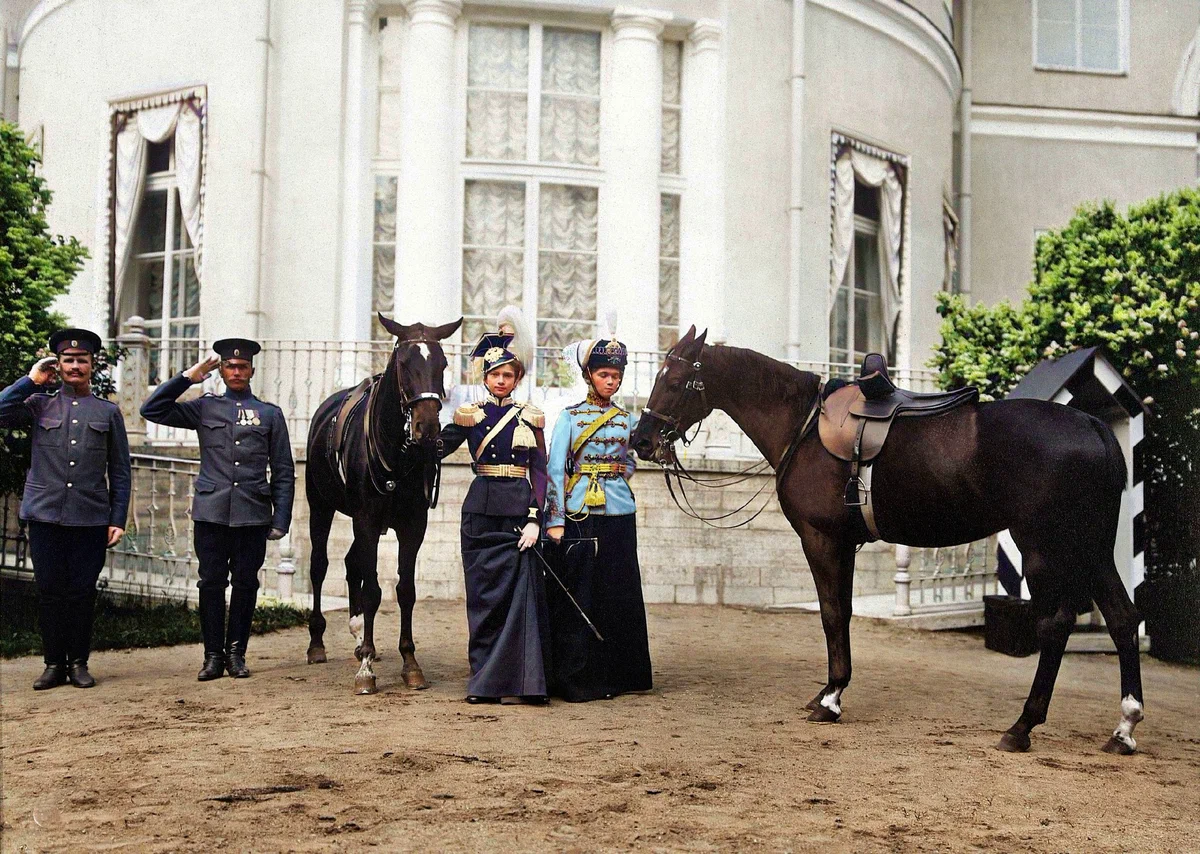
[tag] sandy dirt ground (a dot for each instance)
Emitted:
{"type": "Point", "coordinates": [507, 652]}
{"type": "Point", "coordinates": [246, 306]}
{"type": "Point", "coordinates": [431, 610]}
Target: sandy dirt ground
{"type": "Point", "coordinates": [717, 757]}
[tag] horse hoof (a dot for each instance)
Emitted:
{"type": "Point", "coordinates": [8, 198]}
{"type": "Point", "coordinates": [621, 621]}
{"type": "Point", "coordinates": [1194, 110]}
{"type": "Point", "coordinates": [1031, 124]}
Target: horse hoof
{"type": "Point", "coordinates": [415, 679]}
{"type": "Point", "coordinates": [822, 715]}
{"type": "Point", "coordinates": [1115, 745]}
{"type": "Point", "coordinates": [316, 655]}
{"type": "Point", "coordinates": [1011, 743]}
{"type": "Point", "coordinates": [365, 685]}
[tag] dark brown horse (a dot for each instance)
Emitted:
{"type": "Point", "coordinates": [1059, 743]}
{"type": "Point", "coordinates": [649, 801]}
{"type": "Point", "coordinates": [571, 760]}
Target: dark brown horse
{"type": "Point", "coordinates": [379, 467]}
{"type": "Point", "coordinates": [1050, 474]}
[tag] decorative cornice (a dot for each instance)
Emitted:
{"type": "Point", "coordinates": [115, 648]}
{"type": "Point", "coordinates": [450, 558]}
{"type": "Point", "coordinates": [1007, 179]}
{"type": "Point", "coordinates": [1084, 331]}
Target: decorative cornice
{"type": "Point", "coordinates": [632, 23]}
{"type": "Point", "coordinates": [41, 12]}
{"type": "Point", "coordinates": [706, 34]}
{"type": "Point", "coordinates": [361, 13]}
{"type": "Point", "coordinates": [441, 12]}
{"type": "Point", "coordinates": [1084, 126]}
{"type": "Point", "coordinates": [908, 27]}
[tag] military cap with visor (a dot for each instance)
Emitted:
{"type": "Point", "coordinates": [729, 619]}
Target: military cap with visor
{"type": "Point", "coordinates": [236, 348]}
{"type": "Point", "coordinates": [75, 339]}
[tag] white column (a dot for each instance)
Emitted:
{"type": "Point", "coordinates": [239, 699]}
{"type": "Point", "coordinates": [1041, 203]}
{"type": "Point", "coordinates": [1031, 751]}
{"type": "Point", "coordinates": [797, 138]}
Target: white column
{"type": "Point", "coordinates": [702, 242]}
{"type": "Point", "coordinates": [796, 301]}
{"type": "Point", "coordinates": [354, 298]}
{"type": "Point", "coordinates": [427, 217]}
{"type": "Point", "coordinates": [629, 200]}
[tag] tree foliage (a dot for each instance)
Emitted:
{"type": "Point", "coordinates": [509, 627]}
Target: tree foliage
{"type": "Point", "coordinates": [1129, 284]}
{"type": "Point", "coordinates": [35, 267]}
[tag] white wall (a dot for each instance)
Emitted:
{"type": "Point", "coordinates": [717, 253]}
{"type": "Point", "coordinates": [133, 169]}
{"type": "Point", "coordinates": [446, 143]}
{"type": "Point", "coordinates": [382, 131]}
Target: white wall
{"type": "Point", "coordinates": [88, 52]}
{"type": "Point", "coordinates": [869, 86]}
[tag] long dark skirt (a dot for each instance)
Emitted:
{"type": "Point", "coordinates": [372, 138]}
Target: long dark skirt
{"type": "Point", "coordinates": [606, 582]}
{"type": "Point", "coordinates": [506, 610]}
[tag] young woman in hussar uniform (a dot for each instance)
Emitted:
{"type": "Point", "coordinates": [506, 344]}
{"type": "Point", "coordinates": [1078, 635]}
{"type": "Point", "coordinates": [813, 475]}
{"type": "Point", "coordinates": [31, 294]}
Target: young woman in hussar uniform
{"type": "Point", "coordinates": [501, 520]}
{"type": "Point", "coordinates": [590, 515]}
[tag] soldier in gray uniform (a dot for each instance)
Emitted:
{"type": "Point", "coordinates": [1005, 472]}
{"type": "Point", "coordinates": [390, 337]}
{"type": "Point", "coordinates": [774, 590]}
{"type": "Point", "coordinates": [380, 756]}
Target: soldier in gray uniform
{"type": "Point", "coordinates": [76, 496]}
{"type": "Point", "coordinates": [236, 510]}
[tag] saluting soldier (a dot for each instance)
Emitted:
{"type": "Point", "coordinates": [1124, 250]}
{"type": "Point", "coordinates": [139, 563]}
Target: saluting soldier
{"type": "Point", "coordinates": [236, 509]}
{"type": "Point", "coordinates": [76, 496]}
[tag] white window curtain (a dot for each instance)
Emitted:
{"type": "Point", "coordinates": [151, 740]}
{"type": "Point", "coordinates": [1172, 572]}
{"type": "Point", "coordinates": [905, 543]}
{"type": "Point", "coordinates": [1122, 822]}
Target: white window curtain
{"type": "Point", "coordinates": [566, 264]}
{"type": "Point", "coordinates": [493, 252]}
{"type": "Point", "coordinates": [135, 126]}
{"type": "Point", "coordinates": [570, 121]}
{"type": "Point", "coordinates": [874, 172]}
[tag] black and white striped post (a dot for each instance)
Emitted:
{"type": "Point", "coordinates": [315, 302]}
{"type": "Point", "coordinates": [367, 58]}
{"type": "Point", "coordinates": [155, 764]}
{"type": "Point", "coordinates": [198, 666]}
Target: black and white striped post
{"type": "Point", "coordinates": [1087, 381]}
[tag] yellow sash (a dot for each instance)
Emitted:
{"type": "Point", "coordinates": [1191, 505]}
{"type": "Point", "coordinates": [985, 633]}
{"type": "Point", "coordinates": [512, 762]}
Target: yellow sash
{"type": "Point", "coordinates": [577, 451]}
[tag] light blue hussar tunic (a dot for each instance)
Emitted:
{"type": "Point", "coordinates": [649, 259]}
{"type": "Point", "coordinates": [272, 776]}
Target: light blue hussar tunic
{"type": "Point", "coordinates": [609, 445]}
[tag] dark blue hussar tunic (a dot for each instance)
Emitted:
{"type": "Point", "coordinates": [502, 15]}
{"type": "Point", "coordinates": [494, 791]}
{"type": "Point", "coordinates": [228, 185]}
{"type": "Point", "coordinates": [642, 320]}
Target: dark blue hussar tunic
{"type": "Point", "coordinates": [506, 596]}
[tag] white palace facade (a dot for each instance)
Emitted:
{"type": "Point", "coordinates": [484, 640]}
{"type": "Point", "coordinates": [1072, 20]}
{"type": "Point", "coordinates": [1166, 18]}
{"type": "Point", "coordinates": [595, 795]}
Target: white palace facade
{"type": "Point", "coordinates": [798, 176]}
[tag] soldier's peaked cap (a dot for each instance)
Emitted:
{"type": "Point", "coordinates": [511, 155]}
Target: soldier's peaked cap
{"type": "Point", "coordinates": [75, 339]}
{"type": "Point", "coordinates": [236, 348]}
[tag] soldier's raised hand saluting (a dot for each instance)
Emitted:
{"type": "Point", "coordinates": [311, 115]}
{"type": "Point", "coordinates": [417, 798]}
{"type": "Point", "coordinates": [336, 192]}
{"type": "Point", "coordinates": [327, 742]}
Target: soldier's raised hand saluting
{"type": "Point", "coordinates": [199, 372]}
{"type": "Point", "coordinates": [44, 371]}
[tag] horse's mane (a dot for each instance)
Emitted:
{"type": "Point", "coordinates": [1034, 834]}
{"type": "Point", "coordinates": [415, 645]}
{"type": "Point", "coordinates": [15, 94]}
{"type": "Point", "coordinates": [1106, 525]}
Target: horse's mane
{"type": "Point", "coordinates": [766, 378]}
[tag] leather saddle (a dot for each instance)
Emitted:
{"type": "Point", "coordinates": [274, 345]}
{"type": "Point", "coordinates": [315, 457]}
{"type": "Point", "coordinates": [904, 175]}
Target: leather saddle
{"type": "Point", "coordinates": [856, 417]}
{"type": "Point", "coordinates": [337, 428]}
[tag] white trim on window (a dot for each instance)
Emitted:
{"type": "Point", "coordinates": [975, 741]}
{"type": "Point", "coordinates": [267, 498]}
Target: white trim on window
{"type": "Point", "coordinates": [1079, 68]}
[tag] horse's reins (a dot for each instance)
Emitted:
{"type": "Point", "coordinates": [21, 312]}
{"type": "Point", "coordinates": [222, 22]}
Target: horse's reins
{"type": "Point", "coordinates": [671, 432]}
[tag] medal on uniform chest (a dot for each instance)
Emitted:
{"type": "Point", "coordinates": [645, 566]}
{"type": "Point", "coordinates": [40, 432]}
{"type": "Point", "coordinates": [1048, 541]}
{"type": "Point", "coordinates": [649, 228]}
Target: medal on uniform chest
{"type": "Point", "coordinates": [248, 418]}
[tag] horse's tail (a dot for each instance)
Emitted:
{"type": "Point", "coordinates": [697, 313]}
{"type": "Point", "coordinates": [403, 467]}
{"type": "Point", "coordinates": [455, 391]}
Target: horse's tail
{"type": "Point", "coordinates": [1114, 456]}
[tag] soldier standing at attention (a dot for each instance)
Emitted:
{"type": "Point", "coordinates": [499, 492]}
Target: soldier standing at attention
{"type": "Point", "coordinates": [76, 496]}
{"type": "Point", "coordinates": [235, 510]}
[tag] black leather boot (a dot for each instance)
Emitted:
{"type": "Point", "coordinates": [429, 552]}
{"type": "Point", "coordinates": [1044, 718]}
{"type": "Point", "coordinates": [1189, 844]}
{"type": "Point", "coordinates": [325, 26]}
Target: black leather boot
{"type": "Point", "coordinates": [77, 673]}
{"type": "Point", "coordinates": [212, 627]}
{"type": "Point", "coordinates": [235, 661]}
{"type": "Point", "coordinates": [241, 614]}
{"type": "Point", "coordinates": [214, 667]}
{"type": "Point", "coordinates": [81, 614]}
{"type": "Point", "coordinates": [54, 675]}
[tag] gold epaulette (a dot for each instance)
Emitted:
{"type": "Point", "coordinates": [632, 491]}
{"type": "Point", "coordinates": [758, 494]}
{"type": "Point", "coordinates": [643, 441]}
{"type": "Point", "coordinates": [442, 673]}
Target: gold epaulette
{"type": "Point", "coordinates": [533, 416]}
{"type": "Point", "coordinates": [468, 415]}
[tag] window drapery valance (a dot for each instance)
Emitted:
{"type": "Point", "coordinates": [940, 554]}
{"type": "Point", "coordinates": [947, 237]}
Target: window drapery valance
{"type": "Point", "coordinates": [869, 167]}
{"type": "Point", "coordinates": [135, 124]}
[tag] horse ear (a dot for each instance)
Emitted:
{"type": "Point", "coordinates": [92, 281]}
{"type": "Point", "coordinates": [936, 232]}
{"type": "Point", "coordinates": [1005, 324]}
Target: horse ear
{"type": "Point", "coordinates": [700, 340]}
{"type": "Point", "coordinates": [441, 333]}
{"type": "Point", "coordinates": [687, 337]}
{"type": "Point", "coordinates": [397, 329]}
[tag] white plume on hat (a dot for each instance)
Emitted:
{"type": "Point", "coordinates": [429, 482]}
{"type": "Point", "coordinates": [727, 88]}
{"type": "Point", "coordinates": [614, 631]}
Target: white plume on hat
{"type": "Point", "coordinates": [511, 321]}
{"type": "Point", "coordinates": [580, 351]}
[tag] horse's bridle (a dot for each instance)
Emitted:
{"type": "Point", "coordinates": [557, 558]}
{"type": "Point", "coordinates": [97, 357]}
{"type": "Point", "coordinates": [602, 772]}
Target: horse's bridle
{"type": "Point", "coordinates": [385, 483]}
{"type": "Point", "coordinates": [671, 430]}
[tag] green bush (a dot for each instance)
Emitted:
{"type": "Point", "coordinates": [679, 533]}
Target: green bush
{"type": "Point", "coordinates": [127, 621]}
{"type": "Point", "coordinates": [1130, 285]}
{"type": "Point", "coordinates": [35, 267]}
